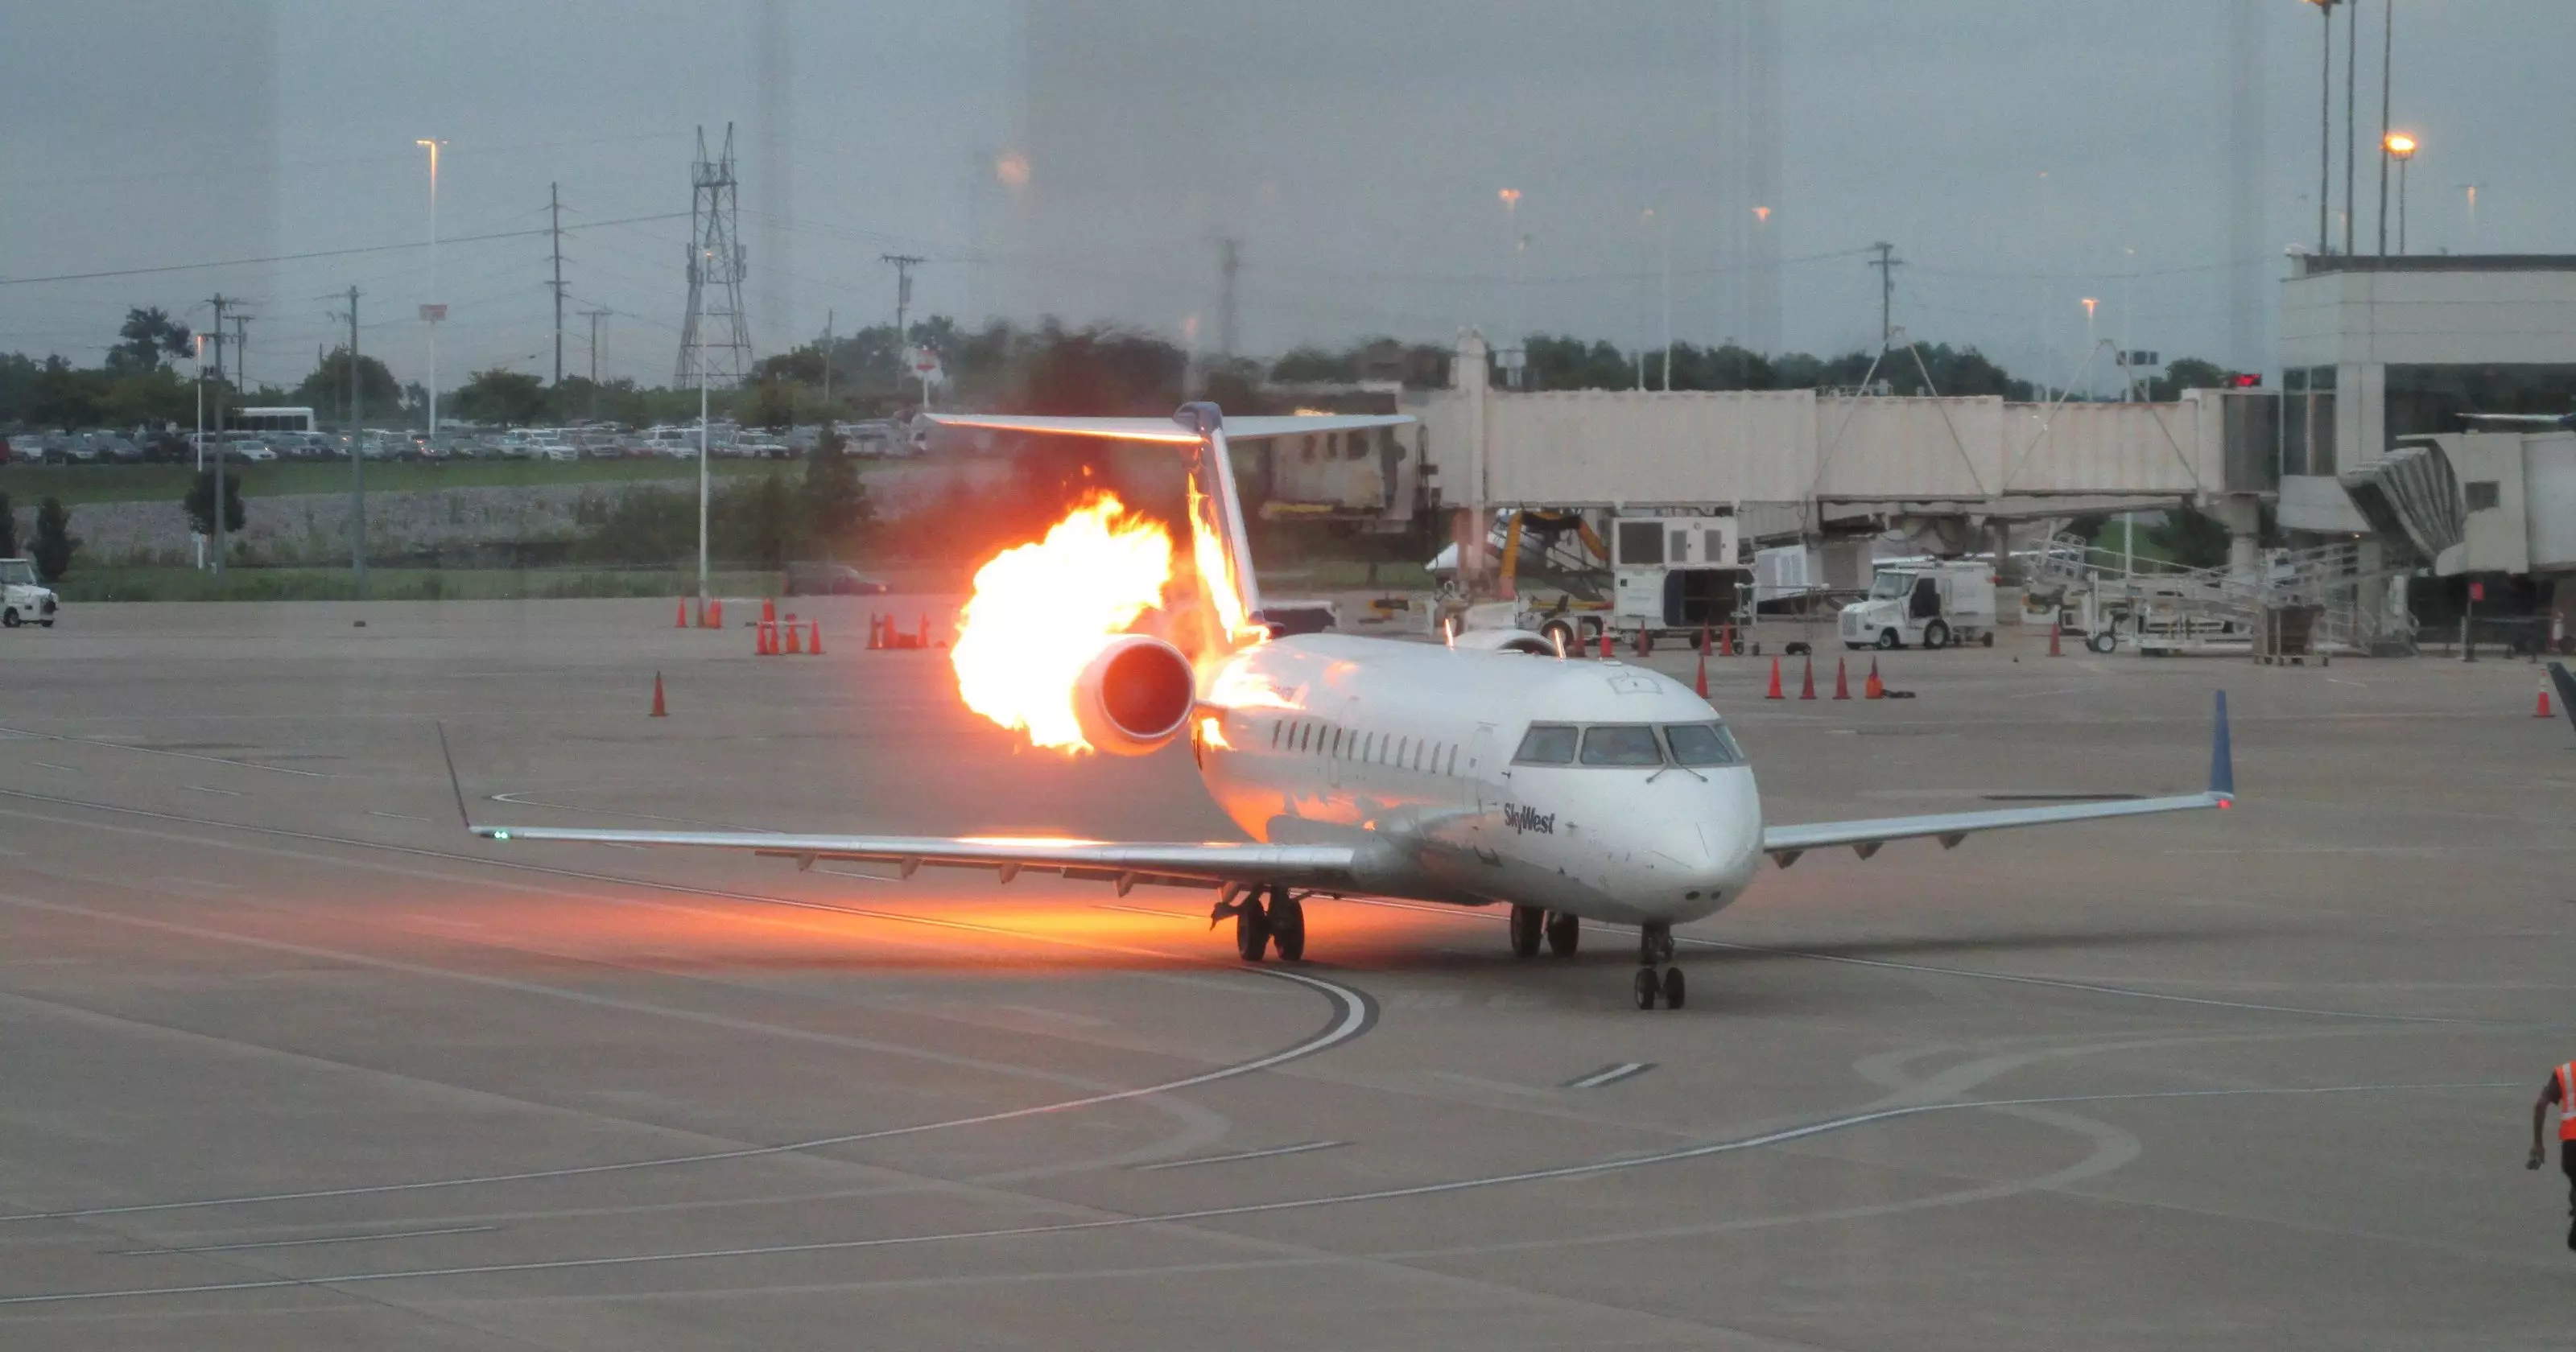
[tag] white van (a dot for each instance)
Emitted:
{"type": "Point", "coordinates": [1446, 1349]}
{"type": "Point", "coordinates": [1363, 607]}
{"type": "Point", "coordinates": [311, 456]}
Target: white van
{"type": "Point", "coordinates": [1924, 605]}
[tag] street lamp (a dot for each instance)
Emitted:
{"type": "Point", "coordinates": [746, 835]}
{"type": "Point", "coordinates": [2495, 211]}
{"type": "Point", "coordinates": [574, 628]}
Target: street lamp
{"type": "Point", "coordinates": [433, 311]}
{"type": "Point", "coordinates": [2089, 345]}
{"type": "Point", "coordinates": [2401, 148]}
{"type": "Point", "coordinates": [2325, 120]}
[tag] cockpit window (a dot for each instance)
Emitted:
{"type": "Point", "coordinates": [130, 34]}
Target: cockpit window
{"type": "Point", "coordinates": [1702, 744]}
{"type": "Point", "coordinates": [1547, 745]}
{"type": "Point", "coordinates": [1621, 744]}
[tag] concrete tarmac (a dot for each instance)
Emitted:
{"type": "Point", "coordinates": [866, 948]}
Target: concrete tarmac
{"type": "Point", "coordinates": [292, 1061]}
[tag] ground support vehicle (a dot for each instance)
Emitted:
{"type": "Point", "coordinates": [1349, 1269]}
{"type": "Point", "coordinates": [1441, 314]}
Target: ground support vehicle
{"type": "Point", "coordinates": [23, 599]}
{"type": "Point", "coordinates": [1925, 605]}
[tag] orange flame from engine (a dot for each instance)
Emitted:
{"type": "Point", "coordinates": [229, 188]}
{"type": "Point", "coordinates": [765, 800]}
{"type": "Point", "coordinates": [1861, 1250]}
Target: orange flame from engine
{"type": "Point", "coordinates": [1215, 564]}
{"type": "Point", "coordinates": [1042, 611]}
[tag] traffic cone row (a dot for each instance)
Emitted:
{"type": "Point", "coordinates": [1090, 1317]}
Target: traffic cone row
{"type": "Point", "coordinates": [1807, 682]}
{"type": "Point", "coordinates": [1873, 688]}
{"type": "Point", "coordinates": [782, 638]}
{"type": "Point", "coordinates": [1774, 692]}
{"type": "Point", "coordinates": [2541, 710]}
{"type": "Point", "coordinates": [1842, 682]}
{"type": "Point", "coordinates": [768, 609]}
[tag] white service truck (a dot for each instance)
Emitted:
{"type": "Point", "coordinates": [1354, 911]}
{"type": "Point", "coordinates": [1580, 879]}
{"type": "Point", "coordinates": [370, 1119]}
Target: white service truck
{"type": "Point", "coordinates": [23, 599]}
{"type": "Point", "coordinates": [1924, 605]}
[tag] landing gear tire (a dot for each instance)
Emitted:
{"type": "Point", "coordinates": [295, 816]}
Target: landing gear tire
{"type": "Point", "coordinates": [1564, 934]}
{"type": "Point", "coordinates": [9, 618]}
{"type": "Point", "coordinates": [1673, 988]}
{"type": "Point", "coordinates": [1888, 642]}
{"type": "Point", "coordinates": [1655, 951]}
{"type": "Point", "coordinates": [1647, 988]}
{"type": "Point", "coordinates": [1251, 933]}
{"type": "Point", "coordinates": [1936, 635]}
{"type": "Point", "coordinates": [1527, 922]}
{"type": "Point", "coordinates": [1287, 923]}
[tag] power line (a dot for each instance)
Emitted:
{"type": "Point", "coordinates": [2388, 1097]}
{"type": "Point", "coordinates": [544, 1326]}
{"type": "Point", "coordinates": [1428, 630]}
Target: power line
{"type": "Point", "coordinates": [328, 253]}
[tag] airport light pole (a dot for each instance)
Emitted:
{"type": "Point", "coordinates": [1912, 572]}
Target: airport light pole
{"type": "Point", "coordinates": [702, 461]}
{"type": "Point", "coordinates": [433, 311]}
{"type": "Point", "coordinates": [2387, 64]}
{"type": "Point", "coordinates": [2399, 147]}
{"type": "Point", "coordinates": [1511, 200]}
{"type": "Point", "coordinates": [2325, 123]}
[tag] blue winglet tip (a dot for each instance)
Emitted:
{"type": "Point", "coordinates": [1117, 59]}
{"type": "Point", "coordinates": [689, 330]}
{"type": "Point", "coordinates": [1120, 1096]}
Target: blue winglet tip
{"type": "Point", "coordinates": [2222, 758]}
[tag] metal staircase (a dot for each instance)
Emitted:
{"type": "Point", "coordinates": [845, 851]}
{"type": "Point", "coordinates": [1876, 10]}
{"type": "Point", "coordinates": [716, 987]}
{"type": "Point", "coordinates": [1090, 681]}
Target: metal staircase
{"type": "Point", "coordinates": [2163, 607]}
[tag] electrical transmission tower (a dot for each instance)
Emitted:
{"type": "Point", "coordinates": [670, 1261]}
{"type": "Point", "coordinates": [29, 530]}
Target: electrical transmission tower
{"type": "Point", "coordinates": [1887, 263]}
{"type": "Point", "coordinates": [716, 268]}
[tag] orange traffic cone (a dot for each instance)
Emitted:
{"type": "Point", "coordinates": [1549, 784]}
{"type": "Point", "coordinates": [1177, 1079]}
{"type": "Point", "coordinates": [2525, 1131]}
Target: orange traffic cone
{"type": "Point", "coordinates": [795, 636]}
{"type": "Point", "coordinates": [769, 639]}
{"type": "Point", "coordinates": [2542, 709]}
{"type": "Point", "coordinates": [1842, 682]}
{"type": "Point", "coordinates": [1807, 683]}
{"type": "Point", "coordinates": [1774, 692]}
{"type": "Point", "coordinates": [658, 710]}
{"type": "Point", "coordinates": [1699, 684]}
{"type": "Point", "coordinates": [715, 616]}
{"type": "Point", "coordinates": [1873, 688]}
{"type": "Point", "coordinates": [2054, 629]}
{"type": "Point", "coordinates": [816, 647]}
{"type": "Point", "coordinates": [1605, 643]}
{"type": "Point", "coordinates": [768, 609]}
{"type": "Point", "coordinates": [1726, 643]}
{"type": "Point", "coordinates": [683, 621]}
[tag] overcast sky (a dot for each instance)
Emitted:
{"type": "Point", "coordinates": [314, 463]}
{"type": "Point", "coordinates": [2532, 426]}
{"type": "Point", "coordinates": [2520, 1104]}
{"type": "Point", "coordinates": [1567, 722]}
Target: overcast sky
{"type": "Point", "coordinates": [1355, 150]}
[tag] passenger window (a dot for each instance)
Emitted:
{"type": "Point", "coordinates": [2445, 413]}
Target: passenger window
{"type": "Point", "coordinates": [1403, 748]}
{"type": "Point", "coordinates": [1275, 726]}
{"type": "Point", "coordinates": [1337, 744]}
{"type": "Point", "coordinates": [1368, 744]}
{"type": "Point", "coordinates": [1453, 762]}
{"type": "Point", "coordinates": [1702, 744]}
{"type": "Point", "coordinates": [1621, 744]}
{"type": "Point", "coordinates": [1546, 744]}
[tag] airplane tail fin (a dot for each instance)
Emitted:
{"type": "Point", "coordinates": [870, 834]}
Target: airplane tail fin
{"type": "Point", "coordinates": [2566, 689]}
{"type": "Point", "coordinates": [2222, 756]}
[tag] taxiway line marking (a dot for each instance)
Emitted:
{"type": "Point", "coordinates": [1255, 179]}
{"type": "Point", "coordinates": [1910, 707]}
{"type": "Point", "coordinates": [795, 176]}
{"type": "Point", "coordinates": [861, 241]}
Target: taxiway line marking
{"type": "Point", "coordinates": [1608, 1075]}
{"type": "Point", "coordinates": [300, 1243]}
{"type": "Point", "coordinates": [204, 788]}
{"type": "Point", "coordinates": [57, 765]}
{"type": "Point", "coordinates": [1588, 1169]}
{"type": "Point", "coordinates": [156, 751]}
{"type": "Point", "coordinates": [1272, 1153]}
{"type": "Point", "coordinates": [397, 816]}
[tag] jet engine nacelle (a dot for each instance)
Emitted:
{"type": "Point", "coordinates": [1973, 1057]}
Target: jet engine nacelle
{"type": "Point", "coordinates": [1135, 696]}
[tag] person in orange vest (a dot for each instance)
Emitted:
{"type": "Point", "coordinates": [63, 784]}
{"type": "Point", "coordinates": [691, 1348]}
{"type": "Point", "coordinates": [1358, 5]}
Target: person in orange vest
{"type": "Point", "coordinates": [2559, 1093]}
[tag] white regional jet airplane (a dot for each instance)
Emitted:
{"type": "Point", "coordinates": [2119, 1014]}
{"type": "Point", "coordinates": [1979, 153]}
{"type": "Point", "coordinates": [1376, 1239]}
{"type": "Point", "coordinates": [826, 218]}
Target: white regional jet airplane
{"type": "Point", "coordinates": [1466, 774]}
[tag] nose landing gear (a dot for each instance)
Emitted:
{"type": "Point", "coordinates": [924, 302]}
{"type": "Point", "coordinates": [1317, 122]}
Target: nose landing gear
{"type": "Point", "coordinates": [1655, 949]}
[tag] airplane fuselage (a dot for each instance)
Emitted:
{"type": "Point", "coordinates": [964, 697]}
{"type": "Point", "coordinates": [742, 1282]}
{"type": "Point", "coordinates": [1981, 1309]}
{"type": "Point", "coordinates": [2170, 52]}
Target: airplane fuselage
{"type": "Point", "coordinates": [1408, 750]}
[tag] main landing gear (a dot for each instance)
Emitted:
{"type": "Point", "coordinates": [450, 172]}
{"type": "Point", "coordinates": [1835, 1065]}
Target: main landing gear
{"type": "Point", "coordinates": [1655, 949]}
{"type": "Point", "coordinates": [1563, 933]}
{"type": "Point", "coordinates": [1257, 929]}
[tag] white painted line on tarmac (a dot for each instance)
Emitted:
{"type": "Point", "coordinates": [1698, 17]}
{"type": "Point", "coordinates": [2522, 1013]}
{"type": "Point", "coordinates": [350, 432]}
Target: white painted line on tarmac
{"type": "Point", "coordinates": [1608, 1075]}
{"type": "Point", "coordinates": [205, 788]}
{"type": "Point", "coordinates": [1407, 1192]}
{"type": "Point", "coordinates": [56, 765]}
{"type": "Point", "coordinates": [156, 751]}
{"type": "Point", "coordinates": [397, 816]}
{"type": "Point", "coordinates": [299, 1243]}
{"type": "Point", "coordinates": [1272, 1153]}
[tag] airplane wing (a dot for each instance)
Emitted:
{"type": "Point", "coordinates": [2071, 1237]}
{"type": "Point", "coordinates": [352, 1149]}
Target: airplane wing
{"type": "Point", "coordinates": [1786, 843]}
{"type": "Point", "coordinates": [1166, 430]}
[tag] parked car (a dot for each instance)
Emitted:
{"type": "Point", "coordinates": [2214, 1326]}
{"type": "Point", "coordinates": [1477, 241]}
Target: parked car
{"type": "Point", "coordinates": [830, 579]}
{"type": "Point", "coordinates": [249, 449]}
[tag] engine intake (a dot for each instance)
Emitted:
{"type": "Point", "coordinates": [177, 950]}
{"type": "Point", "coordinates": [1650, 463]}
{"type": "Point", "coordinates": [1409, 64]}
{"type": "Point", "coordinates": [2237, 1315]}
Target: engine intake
{"type": "Point", "coordinates": [1134, 696]}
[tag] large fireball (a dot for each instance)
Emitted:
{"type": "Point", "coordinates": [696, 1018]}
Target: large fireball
{"type": "Point", "coordinates": [1042, 611]}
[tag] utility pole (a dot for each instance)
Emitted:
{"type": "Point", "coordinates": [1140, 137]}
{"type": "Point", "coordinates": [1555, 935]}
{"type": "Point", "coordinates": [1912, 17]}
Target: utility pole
{"type": "Point", "coordinates": [357, 464]}
{"type": "Point", "coordinates": [594, 316]}
{"type": "Point", "coordinates": [1887, 263]}
{"type": "Point", "coordinates": [554, 213]}
{"type": "Point", "coordinates": [827, 365]}
{"type": "Point", "coordinates": [219, 303]}
{"type": "Point", "coordinates": [2325, 121]}
{"type": "Point", "coordinates": [1229, 253]}
{"type": "Point", "coordinates": [241, 351]}
{"type": "Point", "coordinates": [903, 266]}
{"type": "Point", "coordinates": [2351, 114]}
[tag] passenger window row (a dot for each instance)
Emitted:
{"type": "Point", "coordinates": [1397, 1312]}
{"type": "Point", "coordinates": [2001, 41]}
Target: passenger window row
{"type": "Point", "coordinates": [1312, 736]}
{"type": "Point", "coordinates": [1695, 745]}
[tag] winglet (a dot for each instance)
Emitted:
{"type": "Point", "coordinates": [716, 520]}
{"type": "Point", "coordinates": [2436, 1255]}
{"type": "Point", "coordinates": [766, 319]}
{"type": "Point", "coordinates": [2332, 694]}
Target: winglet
{"type": "Point", "coordinates": [452, 781]}
{"type": "Point", "coordinates": [2222, 759]}
{"type": "Point", "coordinates": [2566, 688]}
